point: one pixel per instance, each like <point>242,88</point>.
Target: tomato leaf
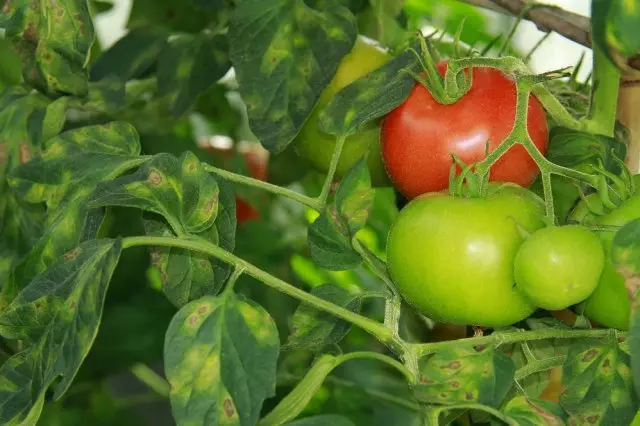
<point>625,254</point>
<point>210,5</point>
<point>480,375</point>
<point>597,381</point>
<point>189,66</point>
<point>322,420</point>
<point>370,97</point>
<point>220,359</point>
<point>53,39</point>
<point>57,315</point>
<point>572,148</point>
<point>75,161</point>
<point>314,329</point>
<point>331,233</point>
<point>177,188</point>
<point>534,412</point>
<point>285,52</point>
<point>132,56</point>
<point>181,18</point>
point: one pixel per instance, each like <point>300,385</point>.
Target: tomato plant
<point>420,135</point>
<point>289,281</point>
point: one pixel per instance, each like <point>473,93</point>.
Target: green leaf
<point>625,254</point>
<point>370,97</point>
<point>473,375</point>
<point>598,384</point>
<point>178,17</point>
<point>58,313</point>
<point>66,228</point>
<point>220,359</point>
<point>571,148</point>
<point>189,66</point>
<point>76,161</point>
<point>535,412</point>
<point>621,29</point>
<point>132,56</point>
<point>177,188</point>
<point>9,65</point>
<point>331,233</point>
<point>53,39</point>
<point>314,329</point>
<point>322,420</point>
<point>210,5</point>
<point>284,53</point>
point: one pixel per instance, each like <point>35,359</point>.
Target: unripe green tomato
<point>317,147</point>
<point>557,267</point>
<point>452,257</point>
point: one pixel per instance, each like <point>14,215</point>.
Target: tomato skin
<point>317,147</point>
<point>558,267</point>
<point>452,258</point>
<point>419,136</point>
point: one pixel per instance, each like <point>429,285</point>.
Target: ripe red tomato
<point>419,136</point>
<point>256,159</point>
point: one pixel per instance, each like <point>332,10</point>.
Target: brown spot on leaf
<point>454,384</point>
<point>424,380</point>
<point>202,310</point>
<point>193,320</point>
<point>203,263</point>
<point>590,355</point>
<point>72,304</point>
<point>208,207</point>
<point>480,348</point>
<point>468,396</point>
<point>454,365</point>
<point>593,419</point>
<point>72,254</point>
<point>229,409</point>
<point>606,363</point>
<point>478,331</point>
<point>632,284</point>
<point>155,178</point>
<point>622,339</point>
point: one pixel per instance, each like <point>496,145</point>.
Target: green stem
<point>378,330</point>
<point>501,338</point>
<point>434,413</point>
<point>392,312</point>
<point>604,95</point>
<point>239,270</point>
<point>275,189</point>
<point>539,365</point>
<point>379,357</point>
<point>324,194</point>
<point>150,378</point>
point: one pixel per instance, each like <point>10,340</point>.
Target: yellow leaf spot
<point>209,373</point>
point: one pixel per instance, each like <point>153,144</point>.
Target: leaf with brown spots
<point>598,383</point>
<point>331,233</point>
<point>535,412</point>
<point>285,52</point>
<point>220,359</point>
<point>57,316</point>
<point>465,375</point>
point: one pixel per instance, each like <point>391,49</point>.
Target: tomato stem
<point>538,365</point>
<point>604,95</point>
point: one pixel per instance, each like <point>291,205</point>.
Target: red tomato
<point>419,136</point>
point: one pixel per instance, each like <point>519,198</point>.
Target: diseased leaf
<point>220,359</point>
<point>76,161</point>
<point>57,315</point>
<point>284,53</point>
<point>535,412</point>
<point>370,97</point>
<point>177,188</point>
<point>480,375</point>
<point>598,384</point>
<point>132,56</point>
<point>331,233</point>
<point>53,39</point>
<point>189,66</point>
<point>314,329</point>
<point>625,254</point>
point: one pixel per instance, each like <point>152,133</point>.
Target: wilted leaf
<point>76,161</point>
<point>598,383</point>
<point>220,359</point>
<point>58,315</point>
<point>53,38</point>
<point>285,52</point>
<point>474,375</point>
<point>314,329</point>
<point>177,188</point>
<point>188,66</point>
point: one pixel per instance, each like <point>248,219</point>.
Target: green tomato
<point>317,147</point>
<point>557,267</point>
<point>609,304</point>
<point>452,257</point>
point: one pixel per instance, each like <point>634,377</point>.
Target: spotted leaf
<point>76,160</point>
<point>177,188</point>
<point>535,412</point>
<point>480,375</point>
<point>285,52</point>
<point>598,384</point>
<point>53,39</point>
<point>57,315</point>
<point>220,359</point>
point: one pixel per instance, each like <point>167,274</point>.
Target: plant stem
<point>275,189</point>
<point>392,311</point>
<point>379,357</point>
<point>539,365</point>
<point>378,330</point>
<point>604,95</point>
<point>500,338</point>
<point>324,194</point>
<point>150,378</point>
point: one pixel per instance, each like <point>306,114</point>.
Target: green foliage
<point>533,412</point>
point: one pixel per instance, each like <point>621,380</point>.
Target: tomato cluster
<point>488,260</point>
